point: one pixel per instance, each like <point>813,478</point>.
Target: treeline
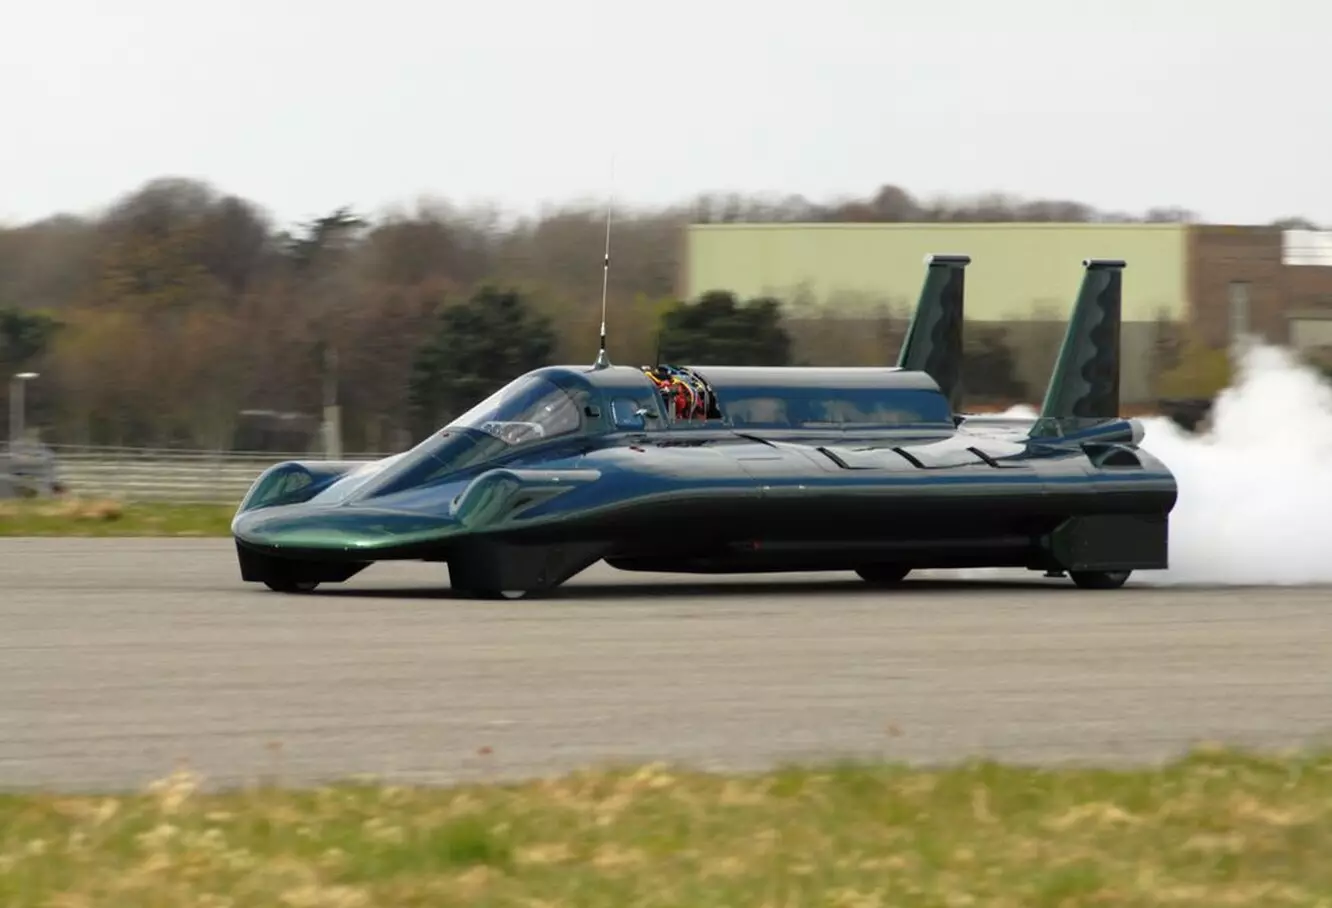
<point>183,316</point>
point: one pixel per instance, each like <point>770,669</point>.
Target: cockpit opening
<point>687,396</point>
<point>804,402</point>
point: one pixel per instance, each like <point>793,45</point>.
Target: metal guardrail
<point>143,474</point>
<point>27,470</point>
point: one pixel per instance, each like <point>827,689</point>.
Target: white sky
<point>1220,106</point>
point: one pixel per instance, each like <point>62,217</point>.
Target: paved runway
<point>120,657</point>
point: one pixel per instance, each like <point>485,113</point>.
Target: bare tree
<point>184,305</point>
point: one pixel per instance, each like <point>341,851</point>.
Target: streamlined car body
<point>726,469</point>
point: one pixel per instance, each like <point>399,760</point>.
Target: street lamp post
<point>16,405</point>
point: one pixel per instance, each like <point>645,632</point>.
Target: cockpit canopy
<point>530,408</point>
<point>554,403</point>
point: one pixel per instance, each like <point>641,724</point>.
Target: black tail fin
<point>1084,387</point>
<point>933,342</point>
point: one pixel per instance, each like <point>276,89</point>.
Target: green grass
<point>1213,829</point>
<point>83,517</point>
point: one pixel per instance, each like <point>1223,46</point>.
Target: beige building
<point>1218,279</point>
<point>1022,275</point>
<point>1017,272</point>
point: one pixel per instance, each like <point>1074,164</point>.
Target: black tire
<point>292,586</point>
<point>1100,580</point>
<point>503,595</point>
<point>883,574</point>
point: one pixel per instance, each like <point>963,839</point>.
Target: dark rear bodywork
<point>775,469</point>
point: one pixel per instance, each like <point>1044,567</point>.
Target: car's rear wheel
<point>883,574</point>
<point>1099,580</point>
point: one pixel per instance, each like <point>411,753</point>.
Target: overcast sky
<point>1222,107</point>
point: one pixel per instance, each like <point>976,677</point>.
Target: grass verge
<point>1212,829</point>
<point>106,517</point>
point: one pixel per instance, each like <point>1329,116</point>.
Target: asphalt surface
<point>121,658</point>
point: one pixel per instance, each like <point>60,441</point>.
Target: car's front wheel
<point>883,574</point>
<point>1099,580</point>
<point>292,586</point>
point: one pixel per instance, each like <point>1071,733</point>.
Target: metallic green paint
<point>339,528</point>
<point>807,469</point>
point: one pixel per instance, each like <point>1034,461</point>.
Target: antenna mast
<point>603,361</point>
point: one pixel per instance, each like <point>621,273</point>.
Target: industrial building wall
<point>1022,275</point>
<point>1286,280</point>
<point>1018,271</point>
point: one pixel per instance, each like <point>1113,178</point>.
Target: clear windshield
<point>528,409</point>
<point>525,411</point>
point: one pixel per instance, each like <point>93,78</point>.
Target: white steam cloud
<point>1255,489</point>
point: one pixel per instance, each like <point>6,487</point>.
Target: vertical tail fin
<point>933,342</point>
<point>1084,387</point>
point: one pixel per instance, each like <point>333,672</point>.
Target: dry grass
<point>1212,830</point>
<point>109,517</point>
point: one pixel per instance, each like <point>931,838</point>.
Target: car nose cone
<point>336,528</point>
